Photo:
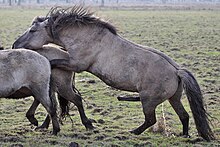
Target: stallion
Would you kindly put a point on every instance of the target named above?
(95, 46)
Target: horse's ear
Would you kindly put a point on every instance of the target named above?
(50, 20)
(41, 18)
(38, 19)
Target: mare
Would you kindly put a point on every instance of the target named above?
(95, 46)
(24, 72)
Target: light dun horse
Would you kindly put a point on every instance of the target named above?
(27, 72)
(94, 46)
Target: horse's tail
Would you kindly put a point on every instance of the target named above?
(195, 99)
(64, 107)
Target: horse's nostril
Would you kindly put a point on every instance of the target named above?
(13, 46)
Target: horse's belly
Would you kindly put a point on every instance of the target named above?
(9, 85)
(121, 83)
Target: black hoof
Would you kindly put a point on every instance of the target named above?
(41, 128)
(55, 131)
(186, 136)
(35, 123)
(135, 132)
(33, 120)
(89, 125)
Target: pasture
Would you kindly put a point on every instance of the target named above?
(190, 37)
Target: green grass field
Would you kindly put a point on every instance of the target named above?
(190, 37)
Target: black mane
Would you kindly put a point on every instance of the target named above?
(60, 18)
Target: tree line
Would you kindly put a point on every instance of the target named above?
(100, 2)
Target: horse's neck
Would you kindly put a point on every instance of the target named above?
(87, 40)
(85, 44)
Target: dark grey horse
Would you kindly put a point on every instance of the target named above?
(94, 46)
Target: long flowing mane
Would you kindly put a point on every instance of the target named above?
(60, 18)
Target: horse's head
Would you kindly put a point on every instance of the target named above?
(35, 36)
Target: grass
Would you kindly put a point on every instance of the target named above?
(190, 37)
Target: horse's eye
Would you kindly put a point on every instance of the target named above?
(32, 30)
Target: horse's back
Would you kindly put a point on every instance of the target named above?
(128, 66)
(22, 68)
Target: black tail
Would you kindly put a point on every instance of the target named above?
(195, 99)
(64, 106)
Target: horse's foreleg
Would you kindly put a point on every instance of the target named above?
(45, 124)
(149, 106)
(71, 96)
(68, 65)
(31, 111)
(86, 122)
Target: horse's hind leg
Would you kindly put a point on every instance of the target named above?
(31, 111)
(149, 105)
(48, 103)
(33, 120)
(179, 109)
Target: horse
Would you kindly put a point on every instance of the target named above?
(95, 46)
(27, 72)
(62, 81)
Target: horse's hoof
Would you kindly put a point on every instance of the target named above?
(32, 120)
(135, 132)
(40, 128)
(89, 125)
(35, 123)
(55, 131)
(186, 136)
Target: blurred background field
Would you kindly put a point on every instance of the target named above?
(190, 37)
